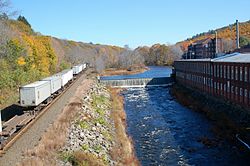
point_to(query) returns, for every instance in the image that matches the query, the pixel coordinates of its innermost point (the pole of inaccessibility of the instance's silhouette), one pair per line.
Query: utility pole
(237, 35)
(216, 44)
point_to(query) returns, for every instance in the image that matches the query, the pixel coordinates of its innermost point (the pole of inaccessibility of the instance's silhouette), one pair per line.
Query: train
(226, 77)
(43, 91)
(35, 96)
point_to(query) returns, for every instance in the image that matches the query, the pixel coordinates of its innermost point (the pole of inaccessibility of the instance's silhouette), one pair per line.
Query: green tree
(14, 51)
(4, 16)
(64, 65)
(244, 41)
(24, 20)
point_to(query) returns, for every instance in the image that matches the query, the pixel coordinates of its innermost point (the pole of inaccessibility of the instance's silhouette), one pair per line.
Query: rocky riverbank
(91, 130)
(91, 134)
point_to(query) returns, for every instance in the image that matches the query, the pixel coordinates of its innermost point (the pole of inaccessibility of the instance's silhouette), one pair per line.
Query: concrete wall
(140, 82)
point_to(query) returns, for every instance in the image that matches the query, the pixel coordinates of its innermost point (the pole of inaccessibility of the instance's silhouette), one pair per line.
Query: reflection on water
(166, 133)
(155, 71)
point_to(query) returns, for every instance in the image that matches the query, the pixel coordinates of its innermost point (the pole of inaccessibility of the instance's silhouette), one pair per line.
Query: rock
(82, 135)
(92, 135)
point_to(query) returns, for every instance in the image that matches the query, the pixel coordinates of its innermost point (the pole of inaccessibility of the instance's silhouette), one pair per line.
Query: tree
(4, 16)
(24, 20)
(5, 9)
(228, 45)
(244, 41)
(126, 46)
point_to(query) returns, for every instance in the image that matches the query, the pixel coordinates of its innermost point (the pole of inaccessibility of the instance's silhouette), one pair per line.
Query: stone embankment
(91, 130)
(91, 134)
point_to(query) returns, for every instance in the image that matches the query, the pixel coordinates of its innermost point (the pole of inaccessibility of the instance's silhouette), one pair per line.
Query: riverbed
(167, 133)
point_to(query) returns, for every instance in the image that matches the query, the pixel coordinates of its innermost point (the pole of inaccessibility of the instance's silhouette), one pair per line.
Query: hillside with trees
(228, 33)
(27, 56)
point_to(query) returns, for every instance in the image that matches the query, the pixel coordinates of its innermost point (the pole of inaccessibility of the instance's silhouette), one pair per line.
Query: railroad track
(29, 123)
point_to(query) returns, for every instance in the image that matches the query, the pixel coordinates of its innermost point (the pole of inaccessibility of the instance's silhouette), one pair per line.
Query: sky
(130, 22)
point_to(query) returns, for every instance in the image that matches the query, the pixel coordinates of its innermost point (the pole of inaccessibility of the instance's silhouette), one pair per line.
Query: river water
(154, 71)
(166, 133)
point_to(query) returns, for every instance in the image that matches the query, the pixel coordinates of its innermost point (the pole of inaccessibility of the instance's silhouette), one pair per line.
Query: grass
(87, 159)
(123, 152)
(97, 148)
(107, 135)
(67, 156)
(100, 120)
(8, 97)
(46, 152)
(83, 124)
(100, 111)
(114, 71)
(80, 158)
(54, 139)
(99, 100)
(85, 147)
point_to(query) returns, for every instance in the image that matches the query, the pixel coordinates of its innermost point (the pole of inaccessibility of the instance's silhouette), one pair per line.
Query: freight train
(226, 77)
(35, 96)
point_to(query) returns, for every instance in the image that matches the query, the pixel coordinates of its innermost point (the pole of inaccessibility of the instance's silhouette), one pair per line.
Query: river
(167, 133)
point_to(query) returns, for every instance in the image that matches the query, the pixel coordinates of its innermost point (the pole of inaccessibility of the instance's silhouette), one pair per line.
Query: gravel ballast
(32, 136)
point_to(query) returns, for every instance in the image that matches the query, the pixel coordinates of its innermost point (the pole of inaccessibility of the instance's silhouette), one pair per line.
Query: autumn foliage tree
(24, 20)
(24, 57)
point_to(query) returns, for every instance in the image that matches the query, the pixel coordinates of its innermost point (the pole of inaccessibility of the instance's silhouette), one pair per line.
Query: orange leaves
(21, 61)
(40, 52)
(227, 32)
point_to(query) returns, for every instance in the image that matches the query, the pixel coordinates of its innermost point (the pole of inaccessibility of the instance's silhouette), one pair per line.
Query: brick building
(205, 48)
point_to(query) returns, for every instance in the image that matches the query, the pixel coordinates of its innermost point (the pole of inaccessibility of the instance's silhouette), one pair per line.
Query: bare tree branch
(6, 8)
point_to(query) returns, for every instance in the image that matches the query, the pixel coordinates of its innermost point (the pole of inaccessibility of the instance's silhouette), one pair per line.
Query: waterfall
(138, 82)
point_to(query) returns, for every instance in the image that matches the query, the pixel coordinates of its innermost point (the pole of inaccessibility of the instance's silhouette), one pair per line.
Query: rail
(24, 126)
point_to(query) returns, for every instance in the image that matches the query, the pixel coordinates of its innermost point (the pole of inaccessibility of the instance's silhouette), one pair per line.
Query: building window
(248, 74)
(245, 93)
(241, 74)
(218, 70)
(228, 86)
(236, 72)
(232, 72)
(221, 76)
(245, 74)
(214, 73)
(228, 72)
(225, 69)
(241, 92)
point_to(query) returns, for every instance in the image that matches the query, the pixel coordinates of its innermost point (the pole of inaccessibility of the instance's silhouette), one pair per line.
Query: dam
(164, 131)
(156, 76)
(138, 82)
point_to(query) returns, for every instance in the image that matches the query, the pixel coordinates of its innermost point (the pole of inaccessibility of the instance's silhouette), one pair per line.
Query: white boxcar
(35, 93)
(81, 67)
(84, 66)
(55, 83)
(77, 69)
(66, 76)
